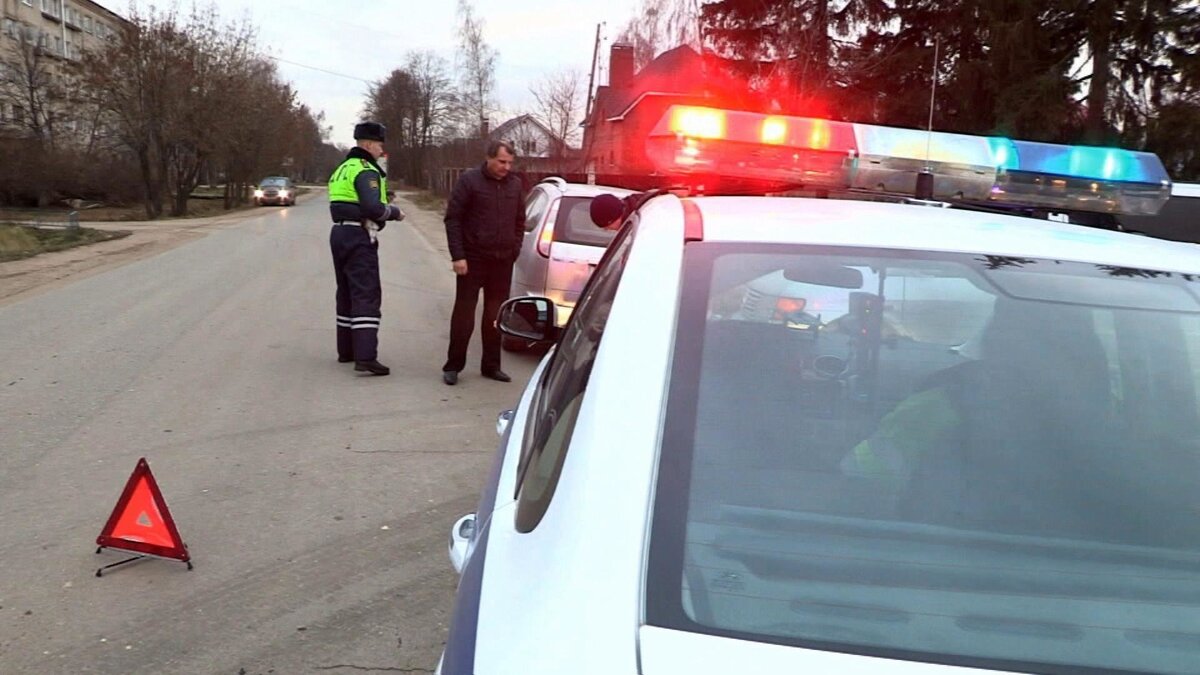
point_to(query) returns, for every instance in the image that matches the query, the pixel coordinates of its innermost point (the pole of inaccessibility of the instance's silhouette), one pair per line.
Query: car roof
(841, 222)
(586, 190)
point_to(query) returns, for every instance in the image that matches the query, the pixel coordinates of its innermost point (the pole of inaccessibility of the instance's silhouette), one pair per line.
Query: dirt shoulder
(21, 279)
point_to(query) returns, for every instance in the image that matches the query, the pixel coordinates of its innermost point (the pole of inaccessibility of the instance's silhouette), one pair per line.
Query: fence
(62, 221)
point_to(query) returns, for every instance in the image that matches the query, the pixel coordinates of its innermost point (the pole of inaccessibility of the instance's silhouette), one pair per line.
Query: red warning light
(774, 131)
(698, 122)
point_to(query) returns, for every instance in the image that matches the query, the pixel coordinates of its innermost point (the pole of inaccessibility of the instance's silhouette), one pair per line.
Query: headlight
(283, 193)
(258, 193)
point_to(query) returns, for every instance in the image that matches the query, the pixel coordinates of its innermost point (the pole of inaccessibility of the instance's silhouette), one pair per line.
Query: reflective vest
(341, 183)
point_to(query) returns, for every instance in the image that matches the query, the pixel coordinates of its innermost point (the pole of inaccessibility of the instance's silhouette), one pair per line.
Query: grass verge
(19, 241)
(426, 200)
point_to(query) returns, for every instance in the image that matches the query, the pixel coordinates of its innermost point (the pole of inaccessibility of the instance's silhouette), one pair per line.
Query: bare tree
(476, 70)
(28, 79)
(192, 96)
(661, 25)
(136, 73)
(558, 106)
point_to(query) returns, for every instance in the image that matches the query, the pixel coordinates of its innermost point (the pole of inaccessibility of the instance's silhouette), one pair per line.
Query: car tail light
(546, 238)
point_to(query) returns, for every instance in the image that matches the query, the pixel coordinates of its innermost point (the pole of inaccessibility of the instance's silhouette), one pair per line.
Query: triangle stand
(141, 523)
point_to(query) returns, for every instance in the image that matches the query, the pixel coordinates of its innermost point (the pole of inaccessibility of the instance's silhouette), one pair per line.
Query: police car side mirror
(528, 318)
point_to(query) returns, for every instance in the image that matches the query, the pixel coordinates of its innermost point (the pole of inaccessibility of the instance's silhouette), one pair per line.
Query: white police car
(688, 488)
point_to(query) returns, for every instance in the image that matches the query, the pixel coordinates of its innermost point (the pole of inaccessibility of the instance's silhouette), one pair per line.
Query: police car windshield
(274, 182)
(967, 459)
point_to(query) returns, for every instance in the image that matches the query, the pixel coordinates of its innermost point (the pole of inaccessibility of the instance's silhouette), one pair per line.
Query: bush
(33, 176)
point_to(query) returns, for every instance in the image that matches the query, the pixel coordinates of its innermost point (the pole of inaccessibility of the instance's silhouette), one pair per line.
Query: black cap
(606, 208)
(370, 131)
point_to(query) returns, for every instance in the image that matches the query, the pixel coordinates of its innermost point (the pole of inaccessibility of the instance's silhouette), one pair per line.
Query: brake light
(698, 122)
(546, 237)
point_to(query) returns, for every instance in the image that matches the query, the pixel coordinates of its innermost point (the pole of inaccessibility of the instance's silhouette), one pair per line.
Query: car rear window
(575, 226)
(976, 460)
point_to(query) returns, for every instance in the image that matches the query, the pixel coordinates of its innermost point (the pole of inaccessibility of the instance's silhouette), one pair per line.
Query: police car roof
(840, 222)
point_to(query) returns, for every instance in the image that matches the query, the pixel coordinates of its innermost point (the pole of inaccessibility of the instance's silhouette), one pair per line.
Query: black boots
(372, 367)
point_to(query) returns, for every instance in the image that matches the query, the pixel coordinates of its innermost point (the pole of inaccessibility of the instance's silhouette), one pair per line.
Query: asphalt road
(316, 503)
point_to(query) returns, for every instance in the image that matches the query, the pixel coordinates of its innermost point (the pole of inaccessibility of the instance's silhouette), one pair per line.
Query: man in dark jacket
(359, 209)
(485, 223)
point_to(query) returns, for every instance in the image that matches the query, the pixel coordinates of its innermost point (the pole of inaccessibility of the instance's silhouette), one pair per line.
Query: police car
(989, 462)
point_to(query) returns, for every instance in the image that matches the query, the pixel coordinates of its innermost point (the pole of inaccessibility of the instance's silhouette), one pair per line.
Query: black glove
(380, 224)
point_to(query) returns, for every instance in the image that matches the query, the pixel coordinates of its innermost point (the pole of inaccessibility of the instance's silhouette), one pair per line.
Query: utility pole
(587, 111)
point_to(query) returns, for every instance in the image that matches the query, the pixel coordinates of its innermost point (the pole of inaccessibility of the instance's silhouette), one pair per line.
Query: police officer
(359, 209)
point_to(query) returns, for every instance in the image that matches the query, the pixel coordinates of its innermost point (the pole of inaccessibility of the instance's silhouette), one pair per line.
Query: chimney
(483, 127)
(620, 66)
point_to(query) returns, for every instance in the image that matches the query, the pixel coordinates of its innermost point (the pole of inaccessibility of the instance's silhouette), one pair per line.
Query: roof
(838, 222)
(499, 131)
(1185, 189)
(676, 72)
(585, 190)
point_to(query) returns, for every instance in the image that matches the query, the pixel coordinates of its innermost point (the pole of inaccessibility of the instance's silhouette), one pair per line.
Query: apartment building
(62, 29)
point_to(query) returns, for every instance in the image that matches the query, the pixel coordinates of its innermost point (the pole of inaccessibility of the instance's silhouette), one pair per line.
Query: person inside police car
(485, 225)
(358, 205)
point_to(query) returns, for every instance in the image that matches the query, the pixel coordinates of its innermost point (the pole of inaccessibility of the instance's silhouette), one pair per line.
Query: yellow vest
(341, 183)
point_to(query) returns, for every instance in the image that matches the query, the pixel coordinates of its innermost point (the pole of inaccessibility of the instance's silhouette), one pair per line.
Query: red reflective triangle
(141, 522)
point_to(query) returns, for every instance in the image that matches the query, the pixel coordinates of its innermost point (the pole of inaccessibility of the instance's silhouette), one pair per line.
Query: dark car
(275, 190)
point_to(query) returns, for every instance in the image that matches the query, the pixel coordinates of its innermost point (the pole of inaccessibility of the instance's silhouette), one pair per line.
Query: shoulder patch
(375, 184)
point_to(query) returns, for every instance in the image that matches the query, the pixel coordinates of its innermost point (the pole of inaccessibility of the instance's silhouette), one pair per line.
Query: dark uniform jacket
(366, 184)
(485, 218)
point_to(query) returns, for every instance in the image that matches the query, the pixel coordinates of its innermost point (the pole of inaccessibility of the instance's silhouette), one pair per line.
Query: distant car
(275, 190)
(561, 246)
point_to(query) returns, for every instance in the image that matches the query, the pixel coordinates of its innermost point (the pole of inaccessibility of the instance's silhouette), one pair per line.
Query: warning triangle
(141, 522)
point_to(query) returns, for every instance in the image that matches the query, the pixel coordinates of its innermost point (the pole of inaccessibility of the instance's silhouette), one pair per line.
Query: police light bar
(700, 141)
(694, 140)
(891, 158)
(1083, 178)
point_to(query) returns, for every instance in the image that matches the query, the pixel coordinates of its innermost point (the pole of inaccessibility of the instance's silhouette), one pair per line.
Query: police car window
(562, 389)
(933, 456)
(535, 209)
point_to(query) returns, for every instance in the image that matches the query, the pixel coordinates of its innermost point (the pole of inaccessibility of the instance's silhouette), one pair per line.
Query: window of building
(87, 24)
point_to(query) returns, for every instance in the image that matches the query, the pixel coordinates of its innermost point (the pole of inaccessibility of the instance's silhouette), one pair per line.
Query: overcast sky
(367, 39)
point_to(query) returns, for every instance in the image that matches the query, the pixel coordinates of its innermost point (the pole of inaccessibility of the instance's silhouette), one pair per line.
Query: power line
(321, 70)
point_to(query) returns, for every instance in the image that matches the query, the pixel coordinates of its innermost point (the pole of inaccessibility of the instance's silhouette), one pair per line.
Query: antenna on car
(925, 178)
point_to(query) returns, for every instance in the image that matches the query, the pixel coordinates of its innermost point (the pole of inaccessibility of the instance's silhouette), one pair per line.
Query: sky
(367, 39)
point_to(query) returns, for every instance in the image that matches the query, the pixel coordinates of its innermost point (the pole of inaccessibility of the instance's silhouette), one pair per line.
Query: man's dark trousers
(359, 296)
(493, 277)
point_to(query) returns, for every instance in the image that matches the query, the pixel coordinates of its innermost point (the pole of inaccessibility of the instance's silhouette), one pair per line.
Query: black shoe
(345, 359)
(372, 367)
(450, 377)
(498, 375)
